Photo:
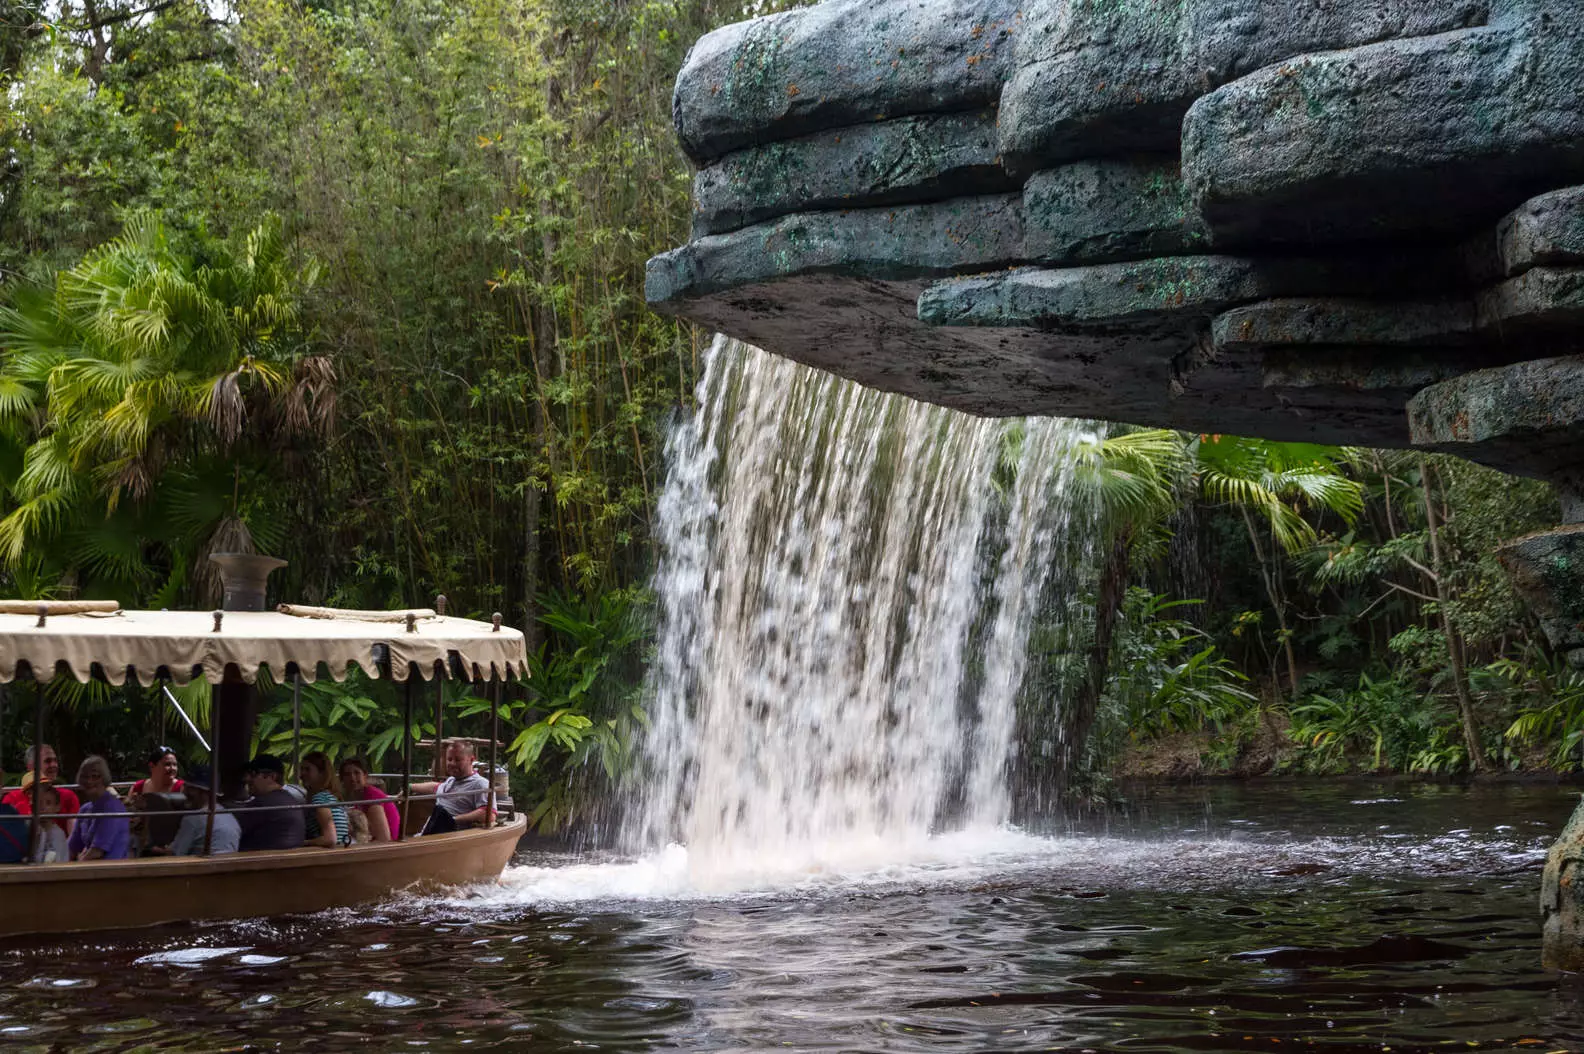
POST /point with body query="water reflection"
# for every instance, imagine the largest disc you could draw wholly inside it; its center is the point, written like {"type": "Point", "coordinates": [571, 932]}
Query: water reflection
{"type": "Point", "coordinates": [1284, 918]}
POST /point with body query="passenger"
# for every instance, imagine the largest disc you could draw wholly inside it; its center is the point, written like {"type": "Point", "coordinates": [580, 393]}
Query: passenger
{"type": "Point", "coordinates": [464, 796]}
{"type": "Point", "coordinates": [264, 824]}
{"type": "Point", "coordinates": [13, 833]}
{"type": "Point", "coordinates": [102, 830]}
{"type": "Point", "coordinates": [226, 835]}
{"type": "Point", "coordinates": [22, 800]}
{"type": "Point", "coordinates": [162, 778]}
{"type": "Point", "coordinates": [325, 823]}
{"type": "Point", "coordinates": [381, 815]}
{"type": "Point", "coordinates": [49, 845]}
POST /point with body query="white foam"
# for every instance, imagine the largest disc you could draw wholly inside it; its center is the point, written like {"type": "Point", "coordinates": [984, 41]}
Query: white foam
{"type": "Point", "coordinates": [186, 956]}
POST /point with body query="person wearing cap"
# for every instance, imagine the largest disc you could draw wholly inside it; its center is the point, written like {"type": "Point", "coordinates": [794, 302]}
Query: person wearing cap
{"type": "Point", "coordinates": [264, 822]}
{"type": "Point", "coordinates": [49, 763]}
{"type": "Point", "coordinates": [226, 836]}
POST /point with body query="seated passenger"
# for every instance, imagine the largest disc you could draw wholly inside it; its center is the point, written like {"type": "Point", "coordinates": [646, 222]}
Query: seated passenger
{"type": "Point", "coordinates": [381, 815]}
{"type": "Point", "coordinates": [22, 800]}
{"type": "Point", "coordinates": [265, 825]}
{"type": "Point", "coordinates": [13, 835]}
{"type": "Point", "coordinates": [102, 830]}
{"type": "Point", "coordinates": [162, 778]}
{"type": "Point", "coordinates": [464, 796]}
{"type": "Point", "coordinates": [49, 844]}
{"type": "Point", "coordinates": [324, 823]}
{"type": "Point", "coordinates": [226, 834]}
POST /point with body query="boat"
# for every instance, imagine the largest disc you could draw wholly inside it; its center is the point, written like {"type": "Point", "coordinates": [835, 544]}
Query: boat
{"type": "Point", "coordinates": [229, 648]}
{"type": "Point", "coordinates": [72, 897]}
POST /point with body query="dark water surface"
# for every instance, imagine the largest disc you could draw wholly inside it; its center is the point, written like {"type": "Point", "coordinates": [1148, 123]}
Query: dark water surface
{"type": "Point", "coordinates": [1359, 917]}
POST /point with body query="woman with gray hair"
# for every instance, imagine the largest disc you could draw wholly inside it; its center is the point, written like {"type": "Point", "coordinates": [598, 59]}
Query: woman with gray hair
{"type": "Point", "coordinates": [103, 831]}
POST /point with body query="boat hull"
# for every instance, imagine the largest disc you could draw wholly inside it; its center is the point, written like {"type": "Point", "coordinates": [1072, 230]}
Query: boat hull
{"type": "Point", "coordinates": [127, 894]}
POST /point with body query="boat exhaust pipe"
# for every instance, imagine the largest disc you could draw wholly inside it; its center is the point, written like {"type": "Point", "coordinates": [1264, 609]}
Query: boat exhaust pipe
{"type": "Point", "coordinates": [243, 577]}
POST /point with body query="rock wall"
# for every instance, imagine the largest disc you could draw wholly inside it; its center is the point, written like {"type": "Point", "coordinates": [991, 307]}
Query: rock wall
{"type": "Point", "coordinates": [1272, 217]}
{"type": "Point", "coordinates": [1347, 221]}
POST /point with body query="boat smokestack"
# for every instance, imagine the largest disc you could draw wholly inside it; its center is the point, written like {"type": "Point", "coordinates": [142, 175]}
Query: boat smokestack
{"type": "Point", "coordinates": [243, 576]}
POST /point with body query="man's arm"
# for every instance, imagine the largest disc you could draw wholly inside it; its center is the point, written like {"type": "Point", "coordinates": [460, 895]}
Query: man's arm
{"type": "Point", "coordinates": [427, 787]}
{"type": "Point", "coordinates": [187, 835]}
{"type": "Point", "coordinates": [483, 813]}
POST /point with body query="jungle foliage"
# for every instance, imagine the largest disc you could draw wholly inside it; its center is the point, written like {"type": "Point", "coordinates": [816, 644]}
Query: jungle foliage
{"type": "Point", "coordinates": [358, 283]}
{"type": "Point", "coordinates": [1319, 610]}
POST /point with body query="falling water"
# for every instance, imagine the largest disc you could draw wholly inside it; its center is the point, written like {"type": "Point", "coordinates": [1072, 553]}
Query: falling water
{"type": "Point", "coordinates": [847, 585]}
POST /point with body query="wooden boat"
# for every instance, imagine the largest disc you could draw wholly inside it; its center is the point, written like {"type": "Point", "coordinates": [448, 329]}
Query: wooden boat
{"type": "Point", "coordinates": [229, 648]}
{"type": "Point", "coordinates": [128, 894]}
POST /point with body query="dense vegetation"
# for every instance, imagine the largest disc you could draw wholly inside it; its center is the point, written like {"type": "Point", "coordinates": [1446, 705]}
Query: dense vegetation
{"type": "Point", "coordinates": [359, 283]}
{"type": "Point", "coordinates": [1287, 608]}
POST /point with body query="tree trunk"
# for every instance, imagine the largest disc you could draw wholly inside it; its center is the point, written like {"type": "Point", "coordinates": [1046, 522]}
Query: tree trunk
{"type": "Point", "coordinates": [1465, 699]}
{"type": "Point", "coordinates": [1268, 576]}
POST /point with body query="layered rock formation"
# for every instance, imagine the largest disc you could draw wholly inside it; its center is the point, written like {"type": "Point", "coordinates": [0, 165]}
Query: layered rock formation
{"type": "Point", "coordinates": [1348, 221]}
{"type": "Point", "coordinates": [1278, 217]}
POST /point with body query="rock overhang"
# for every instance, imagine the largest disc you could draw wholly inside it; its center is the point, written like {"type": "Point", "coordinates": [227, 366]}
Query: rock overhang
{"type": "Point", "coordinates": [1263, 216]}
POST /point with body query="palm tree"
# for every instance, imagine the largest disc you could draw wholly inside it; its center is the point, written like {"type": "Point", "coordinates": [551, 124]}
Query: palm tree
{"type": "Point", "coordinates": [1272, 485]}
{"type": "Point", "coordinates": [141, 358]}
{"type": "Point", "coordinates": [1134, 479]}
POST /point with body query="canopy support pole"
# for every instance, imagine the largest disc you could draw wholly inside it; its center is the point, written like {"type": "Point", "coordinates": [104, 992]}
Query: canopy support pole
{"type": "Point", "coordinates": [497, 687]}
{"type": "Point", "coordinates": [413, 682]}
{"type": "Point", "coordinates": [296, 721]}
{"type": "Point", "coordinates": [439, 723]}
{"type": "Point", "coordinates": [38, 764]}
{"type": "Point", "coordinates": [214, 766]}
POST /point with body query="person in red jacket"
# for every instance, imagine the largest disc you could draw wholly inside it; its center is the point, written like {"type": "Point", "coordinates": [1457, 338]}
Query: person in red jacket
{"type": "Point", "coordinates": [49, 764]}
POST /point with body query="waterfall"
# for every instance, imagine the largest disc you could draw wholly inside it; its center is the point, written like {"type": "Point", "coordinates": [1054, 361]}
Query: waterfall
{"type": "Point", "coordinates": [847, 584]}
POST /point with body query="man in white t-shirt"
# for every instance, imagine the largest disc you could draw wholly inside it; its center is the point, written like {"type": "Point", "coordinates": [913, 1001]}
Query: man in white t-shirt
{"type": "Point", "coordinates": [463, 799]}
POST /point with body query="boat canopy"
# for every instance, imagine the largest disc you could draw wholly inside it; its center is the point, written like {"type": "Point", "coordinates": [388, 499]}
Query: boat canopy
{"type": "Point", "coordinates": [101, 640]}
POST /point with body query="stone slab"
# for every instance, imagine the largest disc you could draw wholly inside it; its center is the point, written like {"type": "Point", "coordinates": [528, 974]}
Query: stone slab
{"type": "Point", "coordinates": [1345, 322]}
{"type": "Point", "coordinates": [1106, 295]}
{"type": "Point", "coordinates": [1423, 136]}
{"type": "Point", "coordinates": [838, 63]}
{"type": "Point", "coordinates": [1526, 418]}
{"type": "Point", "coordinates": [1101, 211]}
{"type": "Point", "coordinates": [1539, 300]}
{"type": "Point", "coordinates": [910, 241]}
{"type": "Point", "coordinates": [1546, 231]}
{"type": "Point", "coordinates": [910, 159]}
{"type": "Point", "coordinates": [1547, 568]}
{"type": "Point", "coordinates": [1332, 380]}
{"type": "Point", "coordinates": [1104, 77]}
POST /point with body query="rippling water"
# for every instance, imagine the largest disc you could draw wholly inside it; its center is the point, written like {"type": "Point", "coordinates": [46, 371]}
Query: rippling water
{"type": "Point", "coordinates": [1275, 917]}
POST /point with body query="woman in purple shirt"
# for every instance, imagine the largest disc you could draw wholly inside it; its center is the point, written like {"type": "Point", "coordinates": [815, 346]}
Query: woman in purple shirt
{"type": "Point", "coordinates": [102, 831]}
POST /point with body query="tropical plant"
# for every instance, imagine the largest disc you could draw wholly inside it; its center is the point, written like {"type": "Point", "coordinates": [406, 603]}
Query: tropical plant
{"type": "Point", "coordinates": [1552, 696]}
{"type": "Point", "coordinates": [1271, 485]}
{"type": "Point", "coordinates": [141, 370]}
{"type": "Point", "coordinates": [1379, 725]}
{"type": "Point", "coordinates": [1170, 677]}
{"type": "Point", "coordinates": [1131, 478]}
{"type": "Point", "coordinates": [581, 704]}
